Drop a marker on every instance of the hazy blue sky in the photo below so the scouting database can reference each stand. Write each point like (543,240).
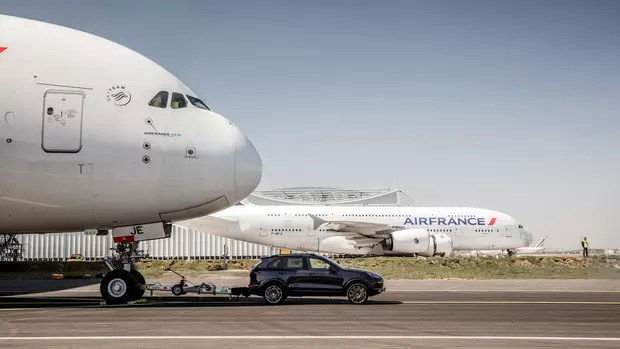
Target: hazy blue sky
(512,106)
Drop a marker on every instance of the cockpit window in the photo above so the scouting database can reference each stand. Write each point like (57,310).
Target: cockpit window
(520,226)
(160,100)
(178,101)
(197,102)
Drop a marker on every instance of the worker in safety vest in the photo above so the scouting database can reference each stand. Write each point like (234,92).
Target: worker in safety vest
(584,245)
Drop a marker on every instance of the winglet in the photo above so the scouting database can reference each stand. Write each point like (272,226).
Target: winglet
(317,221)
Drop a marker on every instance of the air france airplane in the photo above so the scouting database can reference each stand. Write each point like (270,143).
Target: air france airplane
(97,137)
(355,230)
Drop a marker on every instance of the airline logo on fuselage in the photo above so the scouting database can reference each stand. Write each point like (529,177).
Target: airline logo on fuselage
(447,221)
(118,95)
(2,49)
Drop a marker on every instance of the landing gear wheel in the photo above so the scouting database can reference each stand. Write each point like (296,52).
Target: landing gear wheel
(274,294)
(141,281)
(357,293)
(118,287)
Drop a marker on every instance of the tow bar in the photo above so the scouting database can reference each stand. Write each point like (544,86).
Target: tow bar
(183,287)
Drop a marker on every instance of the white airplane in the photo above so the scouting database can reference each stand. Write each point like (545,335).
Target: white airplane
(358,230)
(95,136)
(538,248)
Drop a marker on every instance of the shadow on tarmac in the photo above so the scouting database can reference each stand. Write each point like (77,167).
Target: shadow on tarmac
(10,287)
(170,302)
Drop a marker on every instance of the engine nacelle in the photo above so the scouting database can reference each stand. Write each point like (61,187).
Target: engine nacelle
(409,241)
(420,242)
(441,245)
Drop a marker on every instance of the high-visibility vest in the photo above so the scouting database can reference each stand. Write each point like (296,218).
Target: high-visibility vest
(585,243)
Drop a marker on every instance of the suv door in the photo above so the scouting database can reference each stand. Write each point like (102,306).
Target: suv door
(322,278)
(290,270)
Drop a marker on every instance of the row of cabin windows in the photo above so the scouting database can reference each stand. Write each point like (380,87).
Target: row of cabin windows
(294,230)
(430,230)
(374,215)
(351,215)
(177,101)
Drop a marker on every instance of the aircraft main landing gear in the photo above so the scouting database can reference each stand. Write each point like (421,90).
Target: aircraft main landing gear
(121,286)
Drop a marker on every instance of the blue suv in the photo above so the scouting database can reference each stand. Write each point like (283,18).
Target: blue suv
(306,274)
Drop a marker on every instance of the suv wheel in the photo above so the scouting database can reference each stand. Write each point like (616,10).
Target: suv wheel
(273,294)
(357,293)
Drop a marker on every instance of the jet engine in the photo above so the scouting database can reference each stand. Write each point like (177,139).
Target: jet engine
(420,242)
(441,245)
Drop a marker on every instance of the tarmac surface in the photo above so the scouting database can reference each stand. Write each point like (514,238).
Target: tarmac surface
(459,314)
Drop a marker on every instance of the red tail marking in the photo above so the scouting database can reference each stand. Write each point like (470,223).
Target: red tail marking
(2,49)
(128,238)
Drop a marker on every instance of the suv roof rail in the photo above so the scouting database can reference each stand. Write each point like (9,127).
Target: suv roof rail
(290,254)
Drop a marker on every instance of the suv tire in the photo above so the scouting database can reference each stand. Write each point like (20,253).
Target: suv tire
(274,294)
(357,293)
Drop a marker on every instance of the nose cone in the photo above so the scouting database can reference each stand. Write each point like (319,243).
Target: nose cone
(248,169)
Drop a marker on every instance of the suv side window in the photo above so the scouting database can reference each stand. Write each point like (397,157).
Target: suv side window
(274,264)
(316,263)
(294,263)
(286,263)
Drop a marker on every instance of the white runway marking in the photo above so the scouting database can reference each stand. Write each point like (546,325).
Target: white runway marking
(314,337)
(500,290)
(508,302)
(10,309)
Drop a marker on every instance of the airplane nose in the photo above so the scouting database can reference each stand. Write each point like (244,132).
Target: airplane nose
(248,169)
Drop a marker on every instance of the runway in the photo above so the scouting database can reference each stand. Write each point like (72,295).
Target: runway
(399,319)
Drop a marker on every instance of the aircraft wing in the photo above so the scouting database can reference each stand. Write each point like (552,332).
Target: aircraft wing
(359,234)
(207,223)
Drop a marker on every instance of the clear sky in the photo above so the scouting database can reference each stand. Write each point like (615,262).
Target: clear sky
(507,105)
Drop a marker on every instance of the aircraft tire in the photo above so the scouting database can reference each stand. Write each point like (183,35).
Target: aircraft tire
(141,281)
(118,287)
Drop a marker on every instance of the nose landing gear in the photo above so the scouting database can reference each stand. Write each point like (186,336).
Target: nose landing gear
(121,286)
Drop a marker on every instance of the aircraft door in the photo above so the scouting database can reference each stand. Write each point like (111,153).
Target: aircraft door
(62,121)
(311,231)
(458,232)
(263,231)
(483,240)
